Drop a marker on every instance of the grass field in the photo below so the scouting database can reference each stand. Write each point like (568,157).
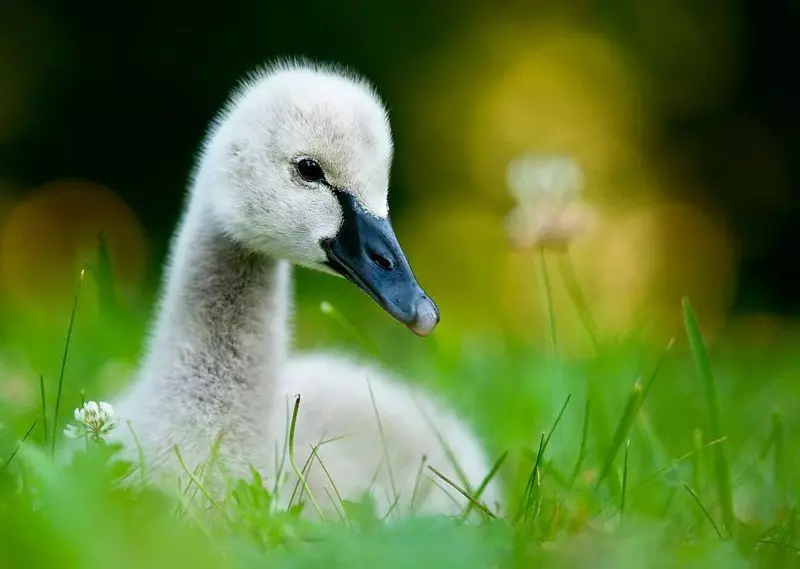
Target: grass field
(681,456)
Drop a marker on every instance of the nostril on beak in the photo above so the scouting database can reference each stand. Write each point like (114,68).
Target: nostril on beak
(381,262)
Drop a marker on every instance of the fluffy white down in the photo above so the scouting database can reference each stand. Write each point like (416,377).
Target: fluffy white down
(217,370)
(336,402)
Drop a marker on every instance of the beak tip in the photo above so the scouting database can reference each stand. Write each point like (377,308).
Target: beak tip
(426,317)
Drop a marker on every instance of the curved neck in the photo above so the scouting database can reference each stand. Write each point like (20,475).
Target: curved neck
(223,315)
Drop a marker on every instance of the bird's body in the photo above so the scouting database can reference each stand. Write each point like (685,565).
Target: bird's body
(294,171)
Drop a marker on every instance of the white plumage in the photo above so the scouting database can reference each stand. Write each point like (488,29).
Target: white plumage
(217,366)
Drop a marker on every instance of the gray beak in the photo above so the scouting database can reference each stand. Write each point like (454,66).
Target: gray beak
(366,252)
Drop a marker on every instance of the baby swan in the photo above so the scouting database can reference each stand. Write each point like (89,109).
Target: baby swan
(295,170)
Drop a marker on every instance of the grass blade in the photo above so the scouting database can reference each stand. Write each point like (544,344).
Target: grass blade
(531,485)
(463,492)
(704,510)
(392,506)
(383,438)
(448,452)
(315,452)
(575,292)
(485,482)
(292,428)
(529,496)
(632,406)
(64,358)
(547,302)
(197,482)
(624,484)
(623,427)
(417,480)
(330,310)
(140,452)
(657,369)
(17,447)
(722,476)
(698,463)
(556,422)
(492,473)
(584,442)
(44,408)
(298,489)
(699,446)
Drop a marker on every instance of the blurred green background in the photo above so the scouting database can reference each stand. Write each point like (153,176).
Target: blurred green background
(682,116)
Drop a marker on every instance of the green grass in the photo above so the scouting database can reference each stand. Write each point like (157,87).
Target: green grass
(634,457)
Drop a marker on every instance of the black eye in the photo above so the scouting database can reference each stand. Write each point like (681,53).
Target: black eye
(310,170)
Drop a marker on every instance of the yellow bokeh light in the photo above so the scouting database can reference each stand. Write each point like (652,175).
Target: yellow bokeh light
(567,93)
(49,236)
(553,89)
(640,264)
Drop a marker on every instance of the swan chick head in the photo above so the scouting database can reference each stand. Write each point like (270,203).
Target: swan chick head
(297,167)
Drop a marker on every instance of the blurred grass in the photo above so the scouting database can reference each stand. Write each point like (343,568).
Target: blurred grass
(670,486)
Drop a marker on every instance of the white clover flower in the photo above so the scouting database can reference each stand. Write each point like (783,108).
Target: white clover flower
(93,419)
(547,191)
(532,178)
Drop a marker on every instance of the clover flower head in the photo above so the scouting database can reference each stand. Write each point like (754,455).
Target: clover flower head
(534,178)
(547,191)
(93,419)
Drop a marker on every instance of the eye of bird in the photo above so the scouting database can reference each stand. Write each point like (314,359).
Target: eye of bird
(310,170)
